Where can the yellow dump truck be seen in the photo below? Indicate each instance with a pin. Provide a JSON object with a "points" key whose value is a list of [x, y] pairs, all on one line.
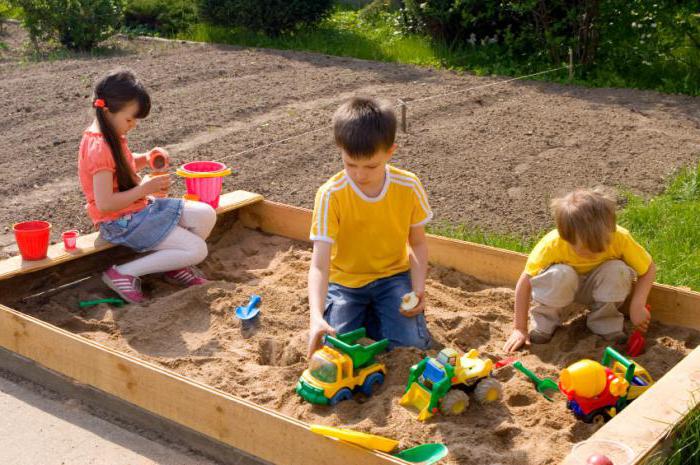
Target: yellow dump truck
{"points": [[441, 383], [343, 368]]}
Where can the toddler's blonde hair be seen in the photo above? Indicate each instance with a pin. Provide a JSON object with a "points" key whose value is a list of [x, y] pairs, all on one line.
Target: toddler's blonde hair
{"points": [[586, 216]]}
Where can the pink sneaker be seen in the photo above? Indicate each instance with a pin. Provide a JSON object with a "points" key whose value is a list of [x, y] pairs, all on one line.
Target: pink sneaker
{"points": [[189, 276], [128, 287]]}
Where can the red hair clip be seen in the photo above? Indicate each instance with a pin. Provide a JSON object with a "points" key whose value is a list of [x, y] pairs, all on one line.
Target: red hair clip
{"points": [[98, 103]]}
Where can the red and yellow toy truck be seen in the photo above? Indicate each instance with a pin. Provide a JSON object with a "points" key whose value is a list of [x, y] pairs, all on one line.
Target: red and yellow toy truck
{"points": [[596, 391]]}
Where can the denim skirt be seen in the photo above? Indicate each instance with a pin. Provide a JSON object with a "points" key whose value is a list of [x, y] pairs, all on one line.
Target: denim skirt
{"points": [[144, 229]]}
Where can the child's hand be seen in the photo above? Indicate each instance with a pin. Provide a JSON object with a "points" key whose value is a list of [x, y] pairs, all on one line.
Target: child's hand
{"points": [[155, 184], [318, 329], [516, 340], [640, 317], [418, 309]]}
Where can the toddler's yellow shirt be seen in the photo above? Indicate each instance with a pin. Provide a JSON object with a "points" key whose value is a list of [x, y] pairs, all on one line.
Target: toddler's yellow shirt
{"points": [[552, 249], [369, 235]]}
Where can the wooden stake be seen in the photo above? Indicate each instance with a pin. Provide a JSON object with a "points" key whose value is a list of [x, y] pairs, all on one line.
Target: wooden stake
{"points": [[571, 63], [404, 127]]}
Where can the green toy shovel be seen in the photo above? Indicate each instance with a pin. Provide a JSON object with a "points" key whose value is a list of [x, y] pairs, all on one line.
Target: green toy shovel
{"points": [[544, 386], [425, 454]]}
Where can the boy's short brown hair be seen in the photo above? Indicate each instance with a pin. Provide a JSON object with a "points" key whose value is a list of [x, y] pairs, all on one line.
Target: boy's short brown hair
{"points": [[586, 216], [364, 126]]}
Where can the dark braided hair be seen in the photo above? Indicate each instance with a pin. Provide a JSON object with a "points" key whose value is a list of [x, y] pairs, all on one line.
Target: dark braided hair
{"points": [[118, 89]]}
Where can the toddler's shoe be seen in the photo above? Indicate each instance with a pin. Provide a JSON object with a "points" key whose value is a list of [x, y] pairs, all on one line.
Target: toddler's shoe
{"points": [[189, 276], [128, 287], [539, 337]]}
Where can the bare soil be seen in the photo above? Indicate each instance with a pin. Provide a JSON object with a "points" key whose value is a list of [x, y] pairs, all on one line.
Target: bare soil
{"points": [[489, 158], [194, 332]]}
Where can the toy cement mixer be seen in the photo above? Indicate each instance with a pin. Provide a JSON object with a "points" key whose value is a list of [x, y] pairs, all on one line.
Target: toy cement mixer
{"points": [[596, 391]]}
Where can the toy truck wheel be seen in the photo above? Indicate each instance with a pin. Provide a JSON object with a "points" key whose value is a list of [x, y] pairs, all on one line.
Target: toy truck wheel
{"points": [[597, 417], [454, 403], [488, 390], [372, 383], [343, 394]]}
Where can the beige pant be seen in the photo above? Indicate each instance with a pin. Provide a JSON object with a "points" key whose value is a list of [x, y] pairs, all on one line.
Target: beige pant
{"points": [[604, 289]]}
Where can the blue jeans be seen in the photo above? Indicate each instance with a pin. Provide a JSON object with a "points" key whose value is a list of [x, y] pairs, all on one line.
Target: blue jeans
{"points": [[376, 307], [146, 228]]}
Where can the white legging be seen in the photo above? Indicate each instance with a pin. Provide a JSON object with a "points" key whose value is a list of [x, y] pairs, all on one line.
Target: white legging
{"points": [[184, 246]]}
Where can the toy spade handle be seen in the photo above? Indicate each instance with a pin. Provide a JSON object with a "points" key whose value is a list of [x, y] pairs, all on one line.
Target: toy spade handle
{"points": [[254, 302], [92, 303], [611, 353], [648, 307], [519, 366]]}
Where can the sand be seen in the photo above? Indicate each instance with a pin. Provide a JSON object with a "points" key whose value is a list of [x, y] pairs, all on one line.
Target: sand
{"points": [[194, 332]]}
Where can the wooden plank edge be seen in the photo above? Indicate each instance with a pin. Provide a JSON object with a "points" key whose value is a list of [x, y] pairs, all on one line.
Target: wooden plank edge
{"points": [[648, 420], [91, 243], [122, 413], [671, 305], [253, 429]]}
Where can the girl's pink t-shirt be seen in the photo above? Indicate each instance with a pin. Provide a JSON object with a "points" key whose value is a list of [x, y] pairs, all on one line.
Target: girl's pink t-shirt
{"points": [[95, 155]]}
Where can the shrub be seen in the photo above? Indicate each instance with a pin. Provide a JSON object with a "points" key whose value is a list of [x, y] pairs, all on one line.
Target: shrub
{"points": [[653, 42], [76, 24], [165, 16], [636, 38], [373, 11], [522, 26], [272, 17], [4, 13]]}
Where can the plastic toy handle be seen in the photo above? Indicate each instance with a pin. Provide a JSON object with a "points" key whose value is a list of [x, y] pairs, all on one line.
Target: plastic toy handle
{"points": [[209, 174], [506, 361], [92, 303], [611, 353], [519, 366], [255, 301]]}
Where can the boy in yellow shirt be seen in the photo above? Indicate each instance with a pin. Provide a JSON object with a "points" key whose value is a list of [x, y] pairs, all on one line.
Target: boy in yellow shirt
{"points": [[587, 259], [368, 234]]}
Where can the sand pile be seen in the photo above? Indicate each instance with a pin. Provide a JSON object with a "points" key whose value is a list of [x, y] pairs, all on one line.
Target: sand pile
{"points": [[195, 332]]}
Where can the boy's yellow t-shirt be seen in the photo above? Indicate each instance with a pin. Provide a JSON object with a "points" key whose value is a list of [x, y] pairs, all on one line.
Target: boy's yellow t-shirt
{"points": [[369, 235], [552, 249]]}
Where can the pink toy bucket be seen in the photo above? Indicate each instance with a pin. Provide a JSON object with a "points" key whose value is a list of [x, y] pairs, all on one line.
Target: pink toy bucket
{"points": [[204, 180], [32, 239]]}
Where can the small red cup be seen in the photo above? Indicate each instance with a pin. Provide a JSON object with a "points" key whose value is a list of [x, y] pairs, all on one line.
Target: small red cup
{"points": [[70, 239]]}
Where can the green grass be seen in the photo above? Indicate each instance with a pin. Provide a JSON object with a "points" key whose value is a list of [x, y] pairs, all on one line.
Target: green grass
{"points": [[503, 241], [345, 33], [668, 226], [685, 448], [7, 11]]}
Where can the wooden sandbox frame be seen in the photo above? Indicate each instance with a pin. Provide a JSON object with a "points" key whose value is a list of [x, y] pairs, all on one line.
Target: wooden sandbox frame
{"points": [[264, 433]]}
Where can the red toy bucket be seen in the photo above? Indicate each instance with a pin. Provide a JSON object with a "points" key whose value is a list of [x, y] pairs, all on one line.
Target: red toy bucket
{"points": [[204, 180], [70, 239], [32, 239]]}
